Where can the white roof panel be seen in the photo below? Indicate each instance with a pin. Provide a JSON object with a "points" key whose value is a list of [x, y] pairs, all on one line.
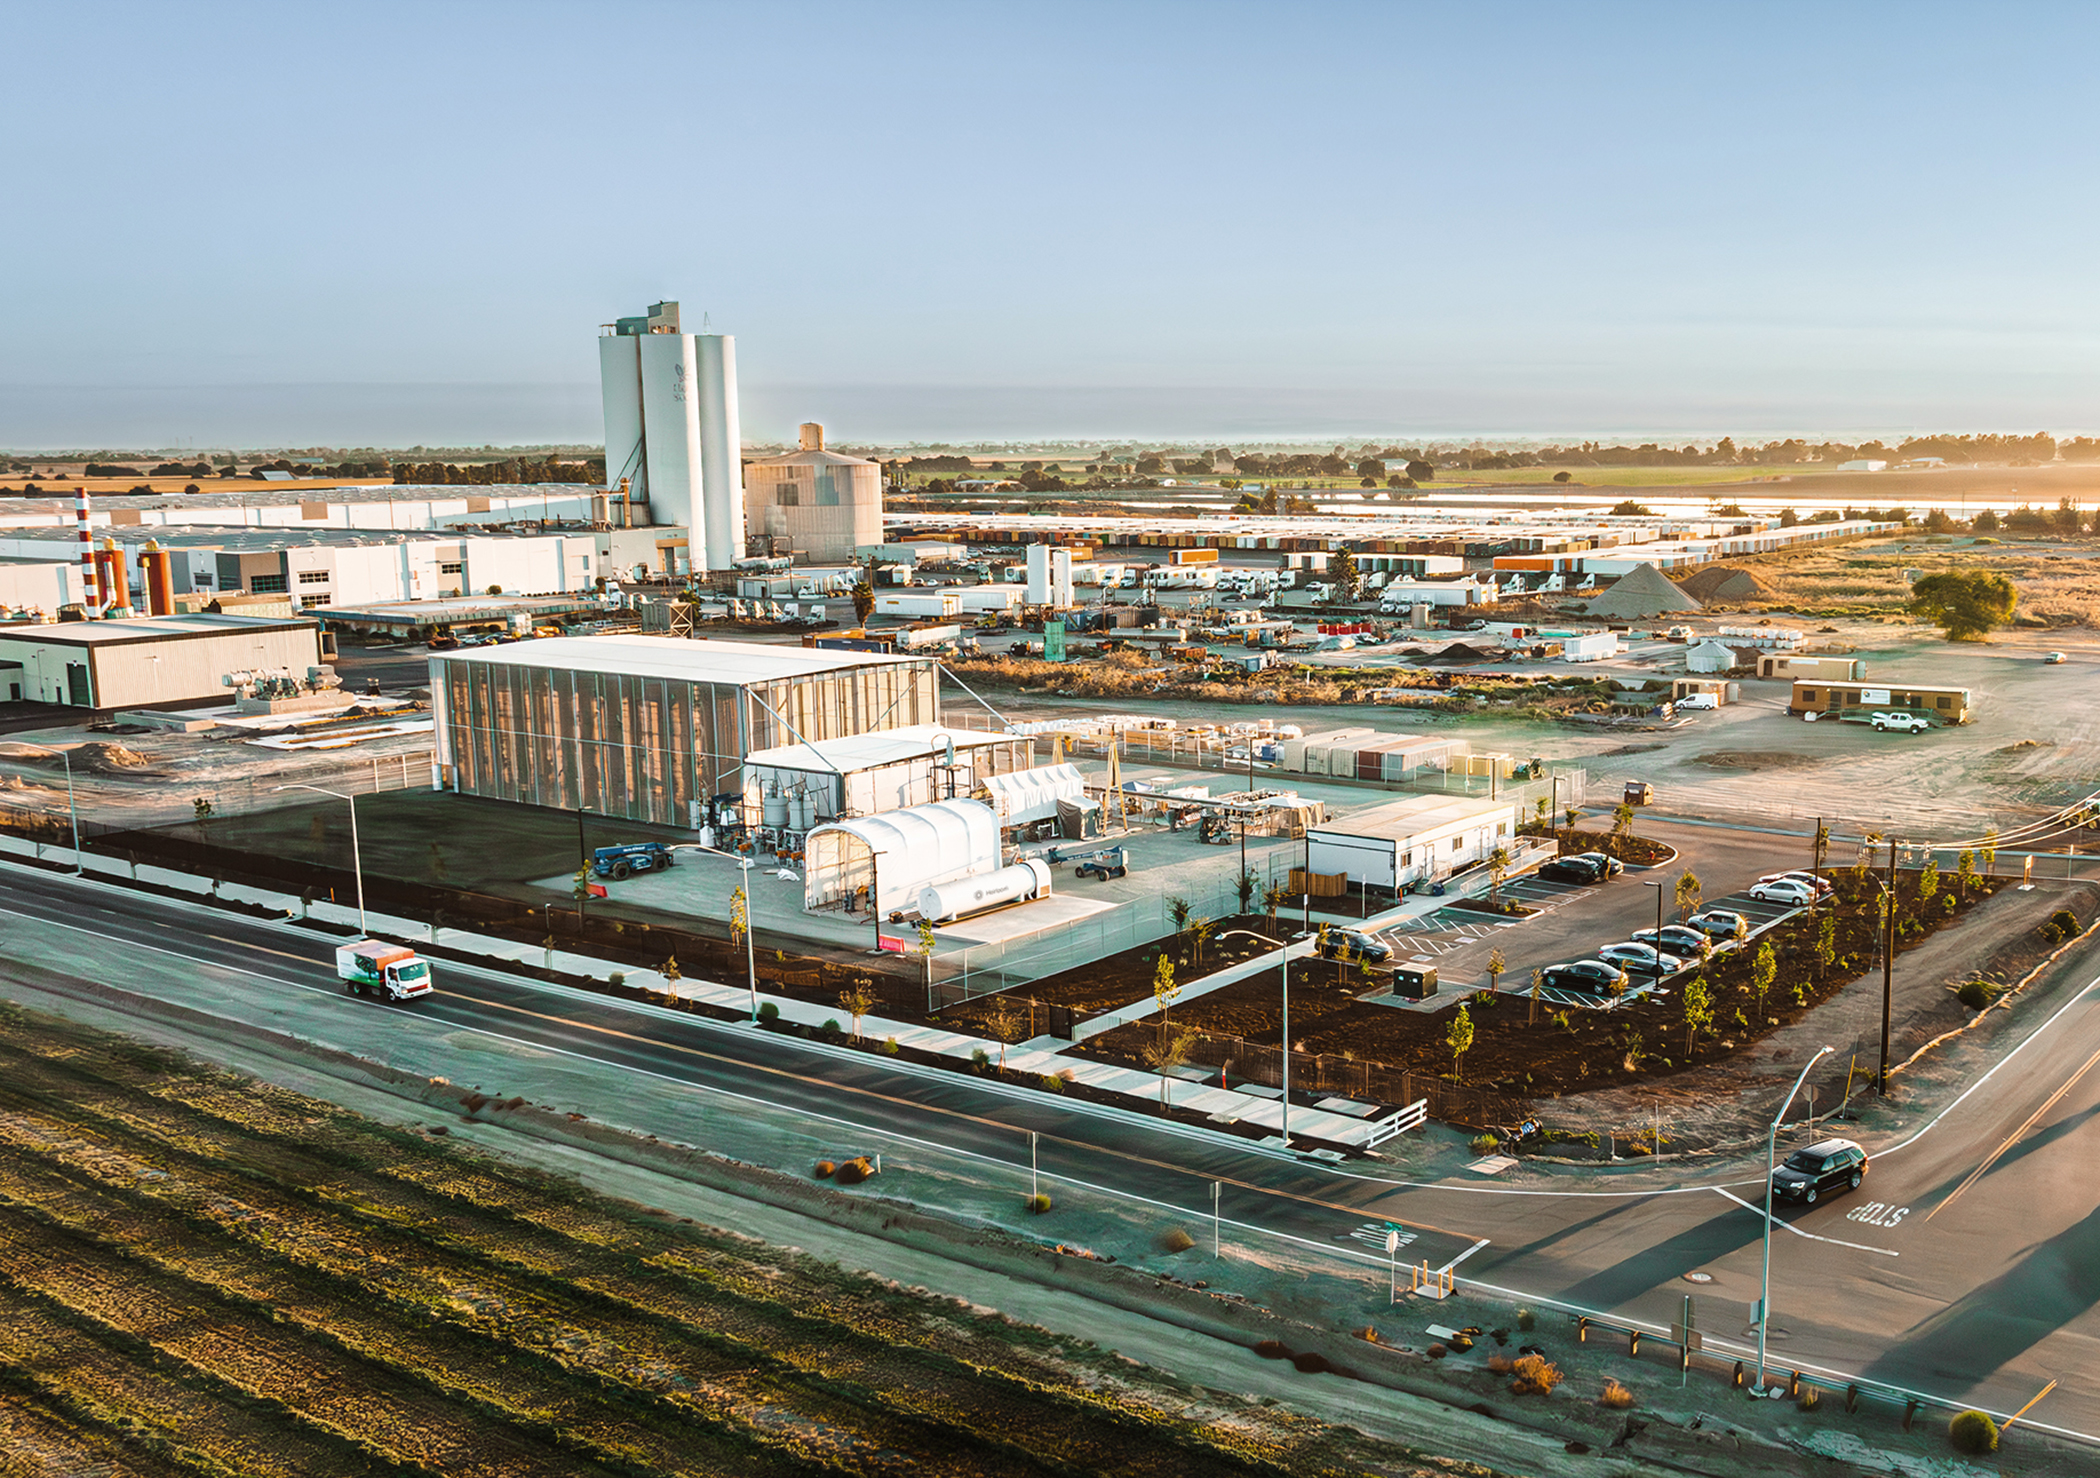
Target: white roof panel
{"points": [[868, 751], [728, 662]]}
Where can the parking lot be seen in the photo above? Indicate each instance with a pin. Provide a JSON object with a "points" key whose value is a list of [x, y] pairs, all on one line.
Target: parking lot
{"points": [[1575, 920]]}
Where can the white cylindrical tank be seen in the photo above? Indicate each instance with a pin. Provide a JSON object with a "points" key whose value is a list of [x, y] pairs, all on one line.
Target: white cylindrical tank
{"points": [[721, 451], [1026, 879], [671, 404], [620, 385], [775, 809]]}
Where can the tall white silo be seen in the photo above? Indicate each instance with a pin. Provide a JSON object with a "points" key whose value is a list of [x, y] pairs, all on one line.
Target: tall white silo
{"points": [[620, 385], [721, 452], [670, 374]]}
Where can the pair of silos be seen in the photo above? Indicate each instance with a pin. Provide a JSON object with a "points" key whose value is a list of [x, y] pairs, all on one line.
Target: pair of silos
{"points": [[672, 432], [112, 593]]}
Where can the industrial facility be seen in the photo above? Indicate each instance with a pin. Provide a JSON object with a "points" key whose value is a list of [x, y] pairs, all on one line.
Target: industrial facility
{"points": [[672, 438], [813, 503], [655, 728], [150, 661]]}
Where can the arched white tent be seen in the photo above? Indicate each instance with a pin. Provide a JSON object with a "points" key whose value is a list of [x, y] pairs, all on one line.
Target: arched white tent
{"points": [[896, 853]]}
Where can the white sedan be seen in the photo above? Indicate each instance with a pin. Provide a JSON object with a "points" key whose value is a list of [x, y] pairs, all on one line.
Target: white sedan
{"points": [[1784, 890], [1641, 959]]}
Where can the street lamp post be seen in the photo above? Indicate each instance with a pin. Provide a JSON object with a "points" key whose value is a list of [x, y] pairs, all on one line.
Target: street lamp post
{"points": [[1285, 966], [1888, 970], [750, 950], [1764, 1301], [357, 866], [72, 807]]}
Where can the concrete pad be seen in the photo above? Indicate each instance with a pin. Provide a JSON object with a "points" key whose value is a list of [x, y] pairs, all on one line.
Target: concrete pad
{"points": [[1018, 921]]}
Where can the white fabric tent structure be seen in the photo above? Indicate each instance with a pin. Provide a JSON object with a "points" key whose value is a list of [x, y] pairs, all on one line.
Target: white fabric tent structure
{"points": [[896, 853], [1032, 795]]}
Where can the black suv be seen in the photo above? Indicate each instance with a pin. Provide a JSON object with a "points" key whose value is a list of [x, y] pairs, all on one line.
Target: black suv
{"points": [[1829, 1165], [1352, 947], [1582, 867]]}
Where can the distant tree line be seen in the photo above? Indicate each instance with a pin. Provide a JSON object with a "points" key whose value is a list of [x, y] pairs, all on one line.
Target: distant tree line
{"points": [[508, 470]]}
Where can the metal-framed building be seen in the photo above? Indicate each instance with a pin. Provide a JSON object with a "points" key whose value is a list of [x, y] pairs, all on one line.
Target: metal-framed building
{"points": [[651, 728], [150, 661]]}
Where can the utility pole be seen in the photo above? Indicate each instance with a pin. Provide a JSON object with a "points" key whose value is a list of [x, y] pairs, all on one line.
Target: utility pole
{"points": [[1888, 973]]}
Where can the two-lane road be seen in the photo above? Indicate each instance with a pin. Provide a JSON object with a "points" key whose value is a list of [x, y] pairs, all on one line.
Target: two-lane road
{"points": [[1967, 1267]]}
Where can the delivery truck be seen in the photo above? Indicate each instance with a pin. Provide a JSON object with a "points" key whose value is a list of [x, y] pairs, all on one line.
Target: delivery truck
{"points": [[393, 972]]}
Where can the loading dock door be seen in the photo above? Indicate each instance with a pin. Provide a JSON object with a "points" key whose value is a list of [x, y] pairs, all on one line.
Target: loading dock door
{"points": [[77, 685]]}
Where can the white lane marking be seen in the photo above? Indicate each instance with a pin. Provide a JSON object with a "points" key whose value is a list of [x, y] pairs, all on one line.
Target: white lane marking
{"points": [[1447, 1267], [1759, 1211]]}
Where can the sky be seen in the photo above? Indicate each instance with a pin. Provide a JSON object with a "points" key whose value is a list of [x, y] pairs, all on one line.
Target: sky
{"points": [[396, 224]]}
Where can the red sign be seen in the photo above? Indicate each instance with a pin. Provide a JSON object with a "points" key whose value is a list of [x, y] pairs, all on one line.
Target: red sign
{"points": [[894, 946], [597, 890]]}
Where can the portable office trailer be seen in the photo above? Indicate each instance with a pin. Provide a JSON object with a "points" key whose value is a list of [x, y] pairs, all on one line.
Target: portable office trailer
{"points": [[1811, 669], [1422, 838], [1948, 705]]}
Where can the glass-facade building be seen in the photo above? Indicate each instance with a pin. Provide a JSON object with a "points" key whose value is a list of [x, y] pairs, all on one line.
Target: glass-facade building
{"points": [[642, 727]]}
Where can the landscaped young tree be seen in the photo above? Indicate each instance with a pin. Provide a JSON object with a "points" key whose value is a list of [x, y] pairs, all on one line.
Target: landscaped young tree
{"points": [[863, 601], [1538, 983], [1496, 965], [1273, 897], [1622, 820], [1164, 987], [1342, 572], [1247, 885], [1764, 969], [1498, 863], [1543, 810], [1987, 854], [858, 999], [1965, 604], [1826, 945], [1460, 1039], [1164, 1055], [1698, 1010], [1004, 1023], [1928, 880], [1964, 873], [1687, 894]]}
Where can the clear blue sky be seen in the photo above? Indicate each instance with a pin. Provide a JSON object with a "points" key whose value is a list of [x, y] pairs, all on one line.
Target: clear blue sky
{"points": [[303, 223]]}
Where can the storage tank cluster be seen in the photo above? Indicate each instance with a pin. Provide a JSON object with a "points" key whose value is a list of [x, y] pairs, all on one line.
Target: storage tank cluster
{"points": [[672, 436], [788, 810]]}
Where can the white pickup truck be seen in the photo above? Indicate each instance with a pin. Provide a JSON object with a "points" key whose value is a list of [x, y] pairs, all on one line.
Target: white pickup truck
{"points": [[374, 967], [1901, 723]]}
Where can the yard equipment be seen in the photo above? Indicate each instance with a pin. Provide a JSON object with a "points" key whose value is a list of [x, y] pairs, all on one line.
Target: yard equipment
{"points": [[1102, 863], [621, 862]]}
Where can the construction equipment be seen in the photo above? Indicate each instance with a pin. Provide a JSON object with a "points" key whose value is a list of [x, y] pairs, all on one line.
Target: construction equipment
{"points": [[621, 862], [1099, 862]]}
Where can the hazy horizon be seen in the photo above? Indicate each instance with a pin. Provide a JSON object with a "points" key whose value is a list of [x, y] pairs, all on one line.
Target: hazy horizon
{"points": [[396, 223]]}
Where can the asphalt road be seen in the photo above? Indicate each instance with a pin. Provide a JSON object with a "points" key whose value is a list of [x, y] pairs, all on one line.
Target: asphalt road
{"points": [[1967, 1267]]}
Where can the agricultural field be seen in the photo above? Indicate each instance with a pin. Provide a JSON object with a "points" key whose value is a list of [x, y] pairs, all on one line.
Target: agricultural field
{"points": [[2058, 579], [201, 1274]]}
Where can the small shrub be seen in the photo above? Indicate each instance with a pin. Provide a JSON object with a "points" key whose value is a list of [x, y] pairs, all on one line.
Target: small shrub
{"points": [[1536, 1376], [768, 1011], [853, 1172], [2066, 923], [1616, 1396], [831, 1027], [1052, 1083], [823, 1169], [1973, 1432], [1368, 1335], [1501, 1364], [889, 1046], [1811, 1398], [617, 979], [1176, 1241], [979, 1059], [1975, 994], [1485, 1144], [1039, 1203], [1436, 1352], [1527, 1320]]}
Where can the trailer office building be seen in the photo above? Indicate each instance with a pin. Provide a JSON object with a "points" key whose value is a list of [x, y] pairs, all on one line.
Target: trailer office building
{"points": [[1421, 839], [650, 728], [1813, 696]]}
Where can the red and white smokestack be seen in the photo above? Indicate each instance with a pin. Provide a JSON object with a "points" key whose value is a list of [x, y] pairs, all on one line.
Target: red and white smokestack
{"points": [[90, 588]]}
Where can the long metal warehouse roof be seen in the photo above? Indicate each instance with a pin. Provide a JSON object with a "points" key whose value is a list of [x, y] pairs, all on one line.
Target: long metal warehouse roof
{"points": [[677, 657]]}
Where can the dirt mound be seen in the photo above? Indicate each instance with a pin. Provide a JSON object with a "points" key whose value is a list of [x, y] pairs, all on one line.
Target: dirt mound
{"points": [[1633, 749], [108, 757], [1722, 582], [1460, 651], [1756, 759]]}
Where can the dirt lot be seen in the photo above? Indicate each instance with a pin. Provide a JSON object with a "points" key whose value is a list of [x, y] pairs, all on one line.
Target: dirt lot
{"points": [[203, 1274]]}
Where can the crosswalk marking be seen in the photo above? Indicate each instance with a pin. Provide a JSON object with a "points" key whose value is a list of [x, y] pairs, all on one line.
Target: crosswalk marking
{"points": [[1372, 1234]]}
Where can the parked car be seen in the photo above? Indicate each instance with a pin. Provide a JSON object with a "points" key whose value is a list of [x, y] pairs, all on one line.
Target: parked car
{"points": [[1783, 890], [1826, 1166], [1900, 723], [1582, 867], [1678, 939], [2054, 658], [1821, 884], [1678, 633], [1718, 923], [1593, 976], [1640, 959], [1353, 947]]}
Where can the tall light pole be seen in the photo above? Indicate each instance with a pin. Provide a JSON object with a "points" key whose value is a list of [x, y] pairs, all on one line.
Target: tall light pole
{"points": [[357, 865], [1285, 966], [72, 808], [1888, 970], [1764, 1301]]}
